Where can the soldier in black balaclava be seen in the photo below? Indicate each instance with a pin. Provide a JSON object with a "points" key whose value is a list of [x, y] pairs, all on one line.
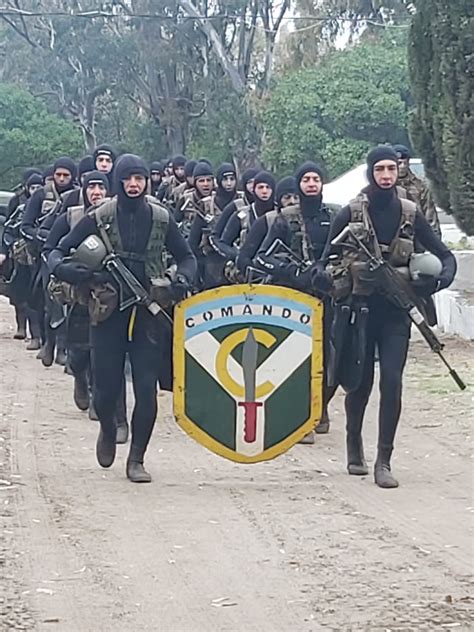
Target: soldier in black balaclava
{"points": [[46, 201], [226, 190], [156, 176], [248, 182], [20, 276], [104, 161], [20, 195], [391, 219], [130, 221], [243, 217]]}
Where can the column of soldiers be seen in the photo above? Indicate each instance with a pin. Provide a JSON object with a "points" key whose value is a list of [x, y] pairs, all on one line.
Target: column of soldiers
{"points": [[172, 228]]}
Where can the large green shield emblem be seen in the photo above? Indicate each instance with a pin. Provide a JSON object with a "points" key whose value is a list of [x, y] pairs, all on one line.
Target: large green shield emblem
{"points": [[248, 369]]}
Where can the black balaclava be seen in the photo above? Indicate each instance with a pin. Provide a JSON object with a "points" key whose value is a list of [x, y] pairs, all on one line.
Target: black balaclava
{"points": [[48, 172], [248, 174], [402, 151], [189, 168], [309, 204], [179, 161], [34, 178], [380, 197], [262, 206], [206, 160], [86, 165], [285, 186], [108, 150], [200, 170], [27, 173], [126, 166], [65, 163], [223, 197], [157, 167], [94, 177]]}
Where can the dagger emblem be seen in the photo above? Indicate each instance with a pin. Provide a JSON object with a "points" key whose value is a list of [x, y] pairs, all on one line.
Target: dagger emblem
{"points": [[249, 368]]}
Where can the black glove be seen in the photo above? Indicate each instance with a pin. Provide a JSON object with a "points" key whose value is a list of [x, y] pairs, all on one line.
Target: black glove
{"points": [[321, 280], [103, 276], [179, 288], [425, 285], [288, 270], [73, 272]]}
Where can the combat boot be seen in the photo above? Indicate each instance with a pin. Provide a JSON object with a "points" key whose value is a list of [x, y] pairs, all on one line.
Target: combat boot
{"points": [[61, 357], [33, 345], [122, 431], [47, 353], [105, 448], [20, 333], [135, 470], [323, 426], [356, 463], [382, 472], [81, 391]]}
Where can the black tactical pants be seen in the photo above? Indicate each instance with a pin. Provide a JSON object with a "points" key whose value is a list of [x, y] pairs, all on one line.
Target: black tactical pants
{"points": [[110, 344], [389, 329]]}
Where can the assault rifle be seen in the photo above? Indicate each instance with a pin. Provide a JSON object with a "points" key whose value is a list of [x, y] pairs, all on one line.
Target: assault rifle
{"points": [[131, 290], [399, 292]]}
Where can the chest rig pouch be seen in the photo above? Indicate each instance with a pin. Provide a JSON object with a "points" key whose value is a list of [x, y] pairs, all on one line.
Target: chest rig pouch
{"points": [[210, 213]]}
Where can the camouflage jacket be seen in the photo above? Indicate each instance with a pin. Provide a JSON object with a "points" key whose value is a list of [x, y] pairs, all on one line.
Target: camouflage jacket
{"points": [[419, 192]]}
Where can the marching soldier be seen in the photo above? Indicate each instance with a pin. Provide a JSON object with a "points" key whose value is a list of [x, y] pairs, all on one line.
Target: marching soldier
{"points": [[42, 203], [13, 251], [21, 192], [156, 177], [387, 226], [174, 179], [135, 230], [185, 186], [417, 189], [104, 157], [244, 215], [304, 230]]}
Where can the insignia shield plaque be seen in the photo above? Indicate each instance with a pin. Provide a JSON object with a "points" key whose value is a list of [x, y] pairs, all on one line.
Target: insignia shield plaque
{"points": [[248, 369]]}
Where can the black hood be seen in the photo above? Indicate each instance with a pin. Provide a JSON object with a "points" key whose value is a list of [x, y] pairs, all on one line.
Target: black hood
{"points": [[285, 186], [86, 164], [65, 163], [94, 177], [309, 203], [248, 174], [223, 197], [35, 178], [126, 166], [380, 197], [262, 206]]}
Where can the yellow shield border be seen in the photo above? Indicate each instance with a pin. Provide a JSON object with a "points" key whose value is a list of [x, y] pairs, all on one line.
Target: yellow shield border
{"points": [[189, 426]]}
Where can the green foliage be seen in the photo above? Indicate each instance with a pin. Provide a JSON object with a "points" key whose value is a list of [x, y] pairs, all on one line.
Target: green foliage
{"points": [[441, 59], [333, 113], [30, 135]]}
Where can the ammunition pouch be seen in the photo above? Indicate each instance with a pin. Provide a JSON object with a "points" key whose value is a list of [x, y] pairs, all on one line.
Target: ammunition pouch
{"points": [[103, 300], [401, 252], [60, 291], [160, 291], [22, 254], [341, 279]]}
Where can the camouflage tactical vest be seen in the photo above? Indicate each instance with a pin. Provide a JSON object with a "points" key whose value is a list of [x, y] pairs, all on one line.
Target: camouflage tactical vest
{"points": [[106, 217], [51, 198], [348, 274], [300, 242], [74, 214]]}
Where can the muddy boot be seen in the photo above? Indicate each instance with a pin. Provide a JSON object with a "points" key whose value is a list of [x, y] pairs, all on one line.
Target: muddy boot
{"points": [[33, 345], [135, 470], [81, 391], [356, 463], [47, 353], [323, 426], [308, 439], [105, 449], [20, 315], [61, 357], [382, 472]]}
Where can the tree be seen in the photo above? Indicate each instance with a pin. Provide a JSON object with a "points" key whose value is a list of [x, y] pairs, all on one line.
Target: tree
{"points": [[29, 135], [356, 98], [441, 60]]}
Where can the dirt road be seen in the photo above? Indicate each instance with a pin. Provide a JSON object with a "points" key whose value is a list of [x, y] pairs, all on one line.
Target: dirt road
{"points": [[293, 545]]}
